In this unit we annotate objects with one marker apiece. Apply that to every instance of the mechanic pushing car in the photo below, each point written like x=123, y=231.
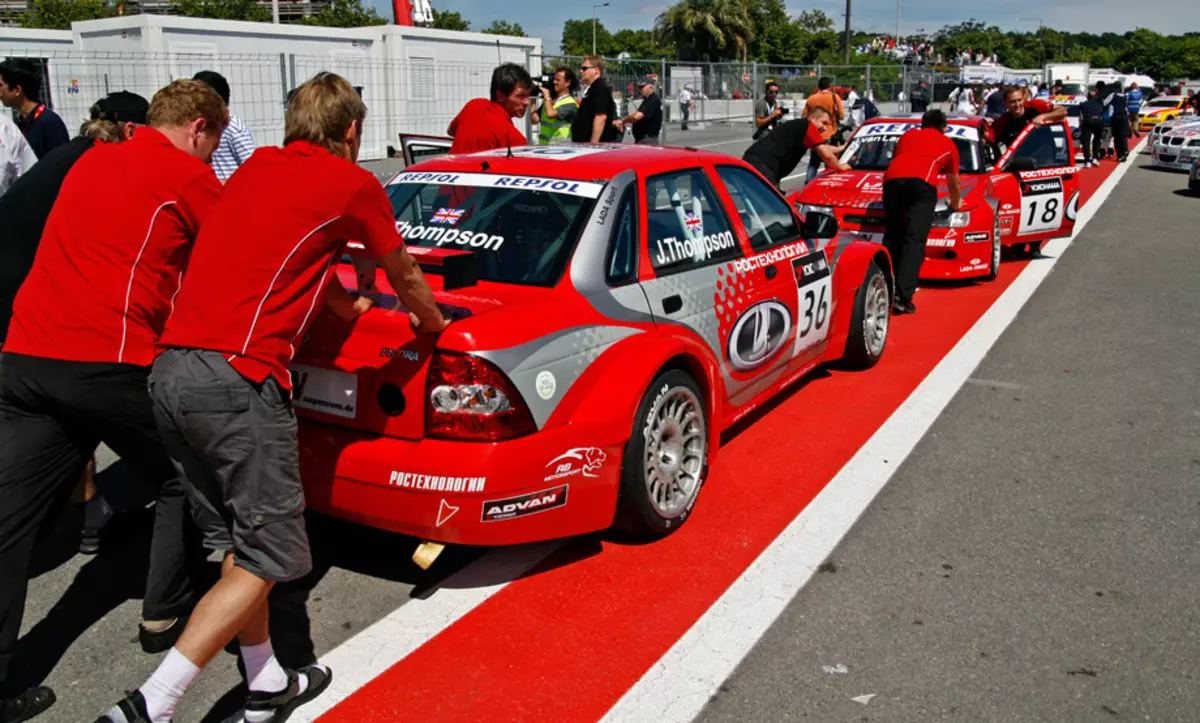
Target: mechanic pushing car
x=777, y=154
x=222, y=389
x=1116, y=103
x=910, y=197
x=83, y=334
x=1022, y=112
x=1091, y=127
x=483, y=125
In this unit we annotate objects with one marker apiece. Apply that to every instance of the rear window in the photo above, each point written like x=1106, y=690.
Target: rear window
x=522, y=229
x=872, y=147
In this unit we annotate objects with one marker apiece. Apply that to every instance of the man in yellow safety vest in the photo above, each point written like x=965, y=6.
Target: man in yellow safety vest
x=558, y=107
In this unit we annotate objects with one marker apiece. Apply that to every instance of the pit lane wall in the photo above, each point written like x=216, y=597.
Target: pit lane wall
x=413, y=80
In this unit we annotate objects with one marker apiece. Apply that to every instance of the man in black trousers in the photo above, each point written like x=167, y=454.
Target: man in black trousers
x=1091, y=127
x=1118, y=120
x=910, y=196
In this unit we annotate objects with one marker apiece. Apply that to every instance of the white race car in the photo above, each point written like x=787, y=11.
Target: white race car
x=1178, y=148
x=1161, y=128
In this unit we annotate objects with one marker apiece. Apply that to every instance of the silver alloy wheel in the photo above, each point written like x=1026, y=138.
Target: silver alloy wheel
x=676, y=445
x=876, y=313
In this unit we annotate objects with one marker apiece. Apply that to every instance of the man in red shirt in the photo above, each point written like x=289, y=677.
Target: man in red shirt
x=483, y=125
x=84, y=331
x=1021, y=112
x=910, y=195
x=222, y=389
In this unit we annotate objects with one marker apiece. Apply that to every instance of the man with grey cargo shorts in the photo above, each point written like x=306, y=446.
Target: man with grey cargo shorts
x=222, y=389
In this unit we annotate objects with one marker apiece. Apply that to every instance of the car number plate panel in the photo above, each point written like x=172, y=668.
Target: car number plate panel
x=325, y=390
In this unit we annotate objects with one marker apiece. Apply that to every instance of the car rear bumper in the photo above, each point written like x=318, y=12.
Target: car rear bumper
x=462, y=492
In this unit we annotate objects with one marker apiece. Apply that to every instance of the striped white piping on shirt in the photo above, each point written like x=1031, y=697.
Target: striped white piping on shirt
x=312, y=305
x=132, y=271
x=275, y=278
x=935, y=162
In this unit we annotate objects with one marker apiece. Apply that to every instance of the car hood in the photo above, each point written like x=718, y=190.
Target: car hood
x=864, y=189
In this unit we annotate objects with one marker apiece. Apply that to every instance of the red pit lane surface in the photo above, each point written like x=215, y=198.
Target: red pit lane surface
x=566, y=641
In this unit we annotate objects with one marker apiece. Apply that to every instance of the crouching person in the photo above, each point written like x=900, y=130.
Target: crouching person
x=222, y=390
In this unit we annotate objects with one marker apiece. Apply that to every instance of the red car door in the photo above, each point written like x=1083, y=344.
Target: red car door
x=1042, y=181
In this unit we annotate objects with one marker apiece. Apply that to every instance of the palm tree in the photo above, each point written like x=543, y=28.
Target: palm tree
x=707, y=29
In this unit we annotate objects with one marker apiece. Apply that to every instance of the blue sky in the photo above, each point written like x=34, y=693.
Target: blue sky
x=545, y=19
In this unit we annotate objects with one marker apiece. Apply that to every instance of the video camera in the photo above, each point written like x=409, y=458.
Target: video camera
x=546, y=80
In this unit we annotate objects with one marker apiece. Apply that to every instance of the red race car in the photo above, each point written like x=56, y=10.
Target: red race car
x=615, y=308
x=1021, y=196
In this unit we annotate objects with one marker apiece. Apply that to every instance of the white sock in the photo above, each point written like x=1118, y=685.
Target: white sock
x=263, y=672
x=167, y=686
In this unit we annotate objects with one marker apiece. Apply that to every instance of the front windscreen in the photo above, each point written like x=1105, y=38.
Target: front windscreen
x=1163, y=104
x=1075, y=89
x=522, y=229
x=872, y=148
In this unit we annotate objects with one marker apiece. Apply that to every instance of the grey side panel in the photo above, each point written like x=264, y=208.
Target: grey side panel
x=563, y=356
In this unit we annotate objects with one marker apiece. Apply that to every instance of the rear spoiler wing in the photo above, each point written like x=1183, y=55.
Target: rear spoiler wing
x=458, y=269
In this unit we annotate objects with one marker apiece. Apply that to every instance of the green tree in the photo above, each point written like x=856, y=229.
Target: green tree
x=449, y=21
x=344, y=14
x=503, y=27
x=223, y=9
x=640, y=44
x=59, y=14
x=710, y=30
x=775, y=40
x=577, y=38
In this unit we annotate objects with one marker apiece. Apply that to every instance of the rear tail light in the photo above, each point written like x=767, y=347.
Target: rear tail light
x=470, y=399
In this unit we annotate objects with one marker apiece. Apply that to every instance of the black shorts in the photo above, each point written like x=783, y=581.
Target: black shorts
x=235, y=444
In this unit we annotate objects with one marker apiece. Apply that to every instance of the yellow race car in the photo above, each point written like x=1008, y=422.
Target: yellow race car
x=1164, y=107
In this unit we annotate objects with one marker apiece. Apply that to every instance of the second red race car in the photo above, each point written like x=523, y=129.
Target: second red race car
x=1016, y=197
x=615, y=309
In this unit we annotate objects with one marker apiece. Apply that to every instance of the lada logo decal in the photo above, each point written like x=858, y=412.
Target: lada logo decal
x=759, y=334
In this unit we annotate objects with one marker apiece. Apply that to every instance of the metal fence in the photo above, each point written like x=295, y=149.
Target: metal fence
x=422, y=96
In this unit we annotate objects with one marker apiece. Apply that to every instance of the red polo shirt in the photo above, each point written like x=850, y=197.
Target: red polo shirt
x=483, y=126
x=112, y=253
x=261, y=263
x=923, y=153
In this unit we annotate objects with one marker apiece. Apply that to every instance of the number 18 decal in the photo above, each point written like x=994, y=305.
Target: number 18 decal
x=813, y=283
x=1042, y=206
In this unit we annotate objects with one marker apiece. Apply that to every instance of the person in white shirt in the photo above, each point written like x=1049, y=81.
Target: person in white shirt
x=16, y=156
x=685, y=103
x=965, y=102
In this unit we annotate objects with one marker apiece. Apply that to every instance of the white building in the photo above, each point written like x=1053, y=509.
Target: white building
x=414, y=80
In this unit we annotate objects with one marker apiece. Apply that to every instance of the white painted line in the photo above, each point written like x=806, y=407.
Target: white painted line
x=680, y=684
x=367, y=655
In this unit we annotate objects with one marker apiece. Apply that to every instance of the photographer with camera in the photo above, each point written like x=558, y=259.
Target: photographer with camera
x=558, y=106
x=768, y=111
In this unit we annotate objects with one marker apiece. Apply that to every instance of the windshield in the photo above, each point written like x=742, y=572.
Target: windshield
x=1075, y=89
x=870, y=151
x=1163, y=103
x=522, y=229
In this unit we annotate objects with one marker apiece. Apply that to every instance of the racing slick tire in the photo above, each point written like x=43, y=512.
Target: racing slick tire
x=867, y=337
x=666, y=458
x=994, y=269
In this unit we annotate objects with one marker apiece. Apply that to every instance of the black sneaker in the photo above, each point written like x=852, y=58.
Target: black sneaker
x=133, y=710
x=29, y=704
x=161, y=641
x=904, y=307
x=285, y=702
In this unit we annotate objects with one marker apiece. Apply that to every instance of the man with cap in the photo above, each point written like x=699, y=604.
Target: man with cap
x=84, y=329
x=647, y=119
x=236, y=142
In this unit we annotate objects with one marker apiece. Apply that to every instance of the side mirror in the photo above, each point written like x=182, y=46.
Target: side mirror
x=1021, y=163
x=819, y=225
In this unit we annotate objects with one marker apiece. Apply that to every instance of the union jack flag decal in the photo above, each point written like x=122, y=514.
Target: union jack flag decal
x=447, y=215
x=694, y=224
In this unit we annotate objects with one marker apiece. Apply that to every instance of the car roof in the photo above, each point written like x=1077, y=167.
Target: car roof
x=579, y=162
x=958, y=119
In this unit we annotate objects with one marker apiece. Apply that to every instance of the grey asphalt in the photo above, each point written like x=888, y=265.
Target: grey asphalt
x=1038, y=498
x=1036, y=557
